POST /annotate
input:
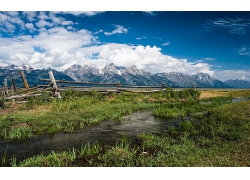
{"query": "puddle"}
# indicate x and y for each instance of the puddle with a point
(234, 100)
(106, 132)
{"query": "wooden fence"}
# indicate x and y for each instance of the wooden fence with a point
(55, 87)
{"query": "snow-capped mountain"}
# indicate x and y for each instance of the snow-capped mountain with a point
(208, 80)
(113, 74)
(14, 67)
(180, 79)
(32, 75)
(110, 73)
(133, 76)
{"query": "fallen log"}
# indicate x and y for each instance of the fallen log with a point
(21, 96)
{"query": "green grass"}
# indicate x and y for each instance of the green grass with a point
(220, 138)
(42, 114)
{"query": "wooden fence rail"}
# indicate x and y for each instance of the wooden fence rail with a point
(75, 82)
(55, 89)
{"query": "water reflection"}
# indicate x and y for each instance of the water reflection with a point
(106, 132)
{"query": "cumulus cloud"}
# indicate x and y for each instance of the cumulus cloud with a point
(150, 59)
(42, 15)
(42, 23)
(119, 30)
(30, 15)
(30, 27)
(8, 21)
(59, 47)
(62, 48)
(66, 23)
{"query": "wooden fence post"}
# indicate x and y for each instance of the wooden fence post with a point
(194, 85)
(53, 82)
(25, 81)
(118, 85)
(13, 88)
(5, 88)
(162, 86)
(13, 85)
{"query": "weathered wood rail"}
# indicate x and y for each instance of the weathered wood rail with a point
(102, 87)
(56, 86)
(55, 89)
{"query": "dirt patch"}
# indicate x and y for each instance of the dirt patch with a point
(13, 107)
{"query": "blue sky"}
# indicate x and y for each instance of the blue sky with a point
(190, 42)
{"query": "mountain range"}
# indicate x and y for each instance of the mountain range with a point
(112, 74)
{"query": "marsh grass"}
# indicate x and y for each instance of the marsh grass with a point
(4, 157)
(45, 115)
(219, 135)
(208, 145)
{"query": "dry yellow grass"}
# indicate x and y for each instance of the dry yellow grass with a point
(224, 93)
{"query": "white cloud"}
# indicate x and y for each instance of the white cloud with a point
(119, 30)
(100, 31)
(209, 59)
(60, 48)
(12, 13)
(152, 13)
(233, 25)
(232, 74)
(85, 13)
(42, 23)
(30, 27)
(9, 28)
(42, 15)
(150, 59)
(66, 23)
(244, 51)
(30, 15)
(70, 28)
(139, 38)
(166, 44)
(9, 20)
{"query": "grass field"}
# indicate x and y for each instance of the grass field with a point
(218, 138)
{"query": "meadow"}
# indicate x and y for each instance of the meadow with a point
(217, 137)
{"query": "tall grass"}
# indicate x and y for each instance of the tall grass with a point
(42, 114)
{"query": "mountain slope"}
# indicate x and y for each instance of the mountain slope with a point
(238, 83)
(209, 81)
(113, 74)
(32, 75)
(133, 76)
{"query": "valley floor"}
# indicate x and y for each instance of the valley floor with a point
(219, 136)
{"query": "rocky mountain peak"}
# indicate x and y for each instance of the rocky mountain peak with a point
(26, 66)
(134, 70)
(112, 68)
(75, 66)
(204, 77)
